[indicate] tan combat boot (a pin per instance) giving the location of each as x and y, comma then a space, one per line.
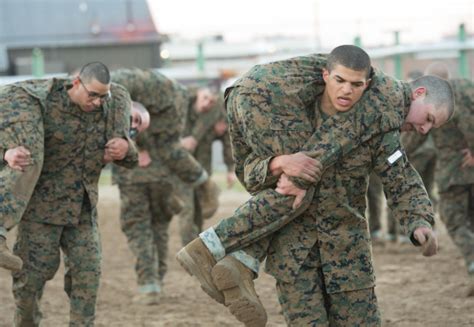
236, 283
7, 259
196, 259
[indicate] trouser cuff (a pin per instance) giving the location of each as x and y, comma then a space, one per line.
213, 243
247, 260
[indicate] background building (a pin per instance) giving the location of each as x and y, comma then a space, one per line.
70, 33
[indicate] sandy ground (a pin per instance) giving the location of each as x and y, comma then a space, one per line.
412, 290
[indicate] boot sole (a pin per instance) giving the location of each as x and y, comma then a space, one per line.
194, 269
242, 303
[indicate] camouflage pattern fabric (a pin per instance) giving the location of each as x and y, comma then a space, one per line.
274, 98
190, 222
260, 130
62, 210
189, 219
82, 251
306, 303
197, 201
146, 227
22, 125
456, 207
455, 183
421, 153
208, 197
335, 226
455, 135
167, 101
374, 203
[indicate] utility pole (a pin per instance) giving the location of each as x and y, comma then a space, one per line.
463, 67
397, 58
37, 63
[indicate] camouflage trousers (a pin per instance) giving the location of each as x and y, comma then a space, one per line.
38, 246
305, 303
457, 212
144, 221
190, 218
16, 187
260, 216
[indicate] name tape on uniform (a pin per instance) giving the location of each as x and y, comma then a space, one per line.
394, 157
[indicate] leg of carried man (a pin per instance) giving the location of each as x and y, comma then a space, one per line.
16, 187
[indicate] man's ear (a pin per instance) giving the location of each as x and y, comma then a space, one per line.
75, 81
325, 75
367, 83
418, 92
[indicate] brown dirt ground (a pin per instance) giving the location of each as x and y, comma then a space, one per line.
412, 290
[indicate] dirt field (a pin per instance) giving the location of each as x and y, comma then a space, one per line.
412, 290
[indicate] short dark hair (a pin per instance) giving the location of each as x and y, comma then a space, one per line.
95, 70
349, 56
438, 92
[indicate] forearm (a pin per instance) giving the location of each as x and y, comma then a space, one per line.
178, 160
257, 175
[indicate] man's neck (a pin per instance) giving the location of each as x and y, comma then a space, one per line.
326, 105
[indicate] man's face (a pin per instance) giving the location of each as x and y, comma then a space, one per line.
423, 116
90, 95
140, 120
344, 87
204, 100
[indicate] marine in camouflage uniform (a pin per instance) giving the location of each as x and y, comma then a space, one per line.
197, 123
456, 183
166, 100
143, 222
147, 200
62, 211
284, 128
200, 126
208, 197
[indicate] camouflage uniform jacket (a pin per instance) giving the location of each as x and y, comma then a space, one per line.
455, 135
74, 149
292, 87
167, 102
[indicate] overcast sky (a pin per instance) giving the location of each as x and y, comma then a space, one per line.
331, 22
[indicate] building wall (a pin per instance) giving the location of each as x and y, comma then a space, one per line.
60, 60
